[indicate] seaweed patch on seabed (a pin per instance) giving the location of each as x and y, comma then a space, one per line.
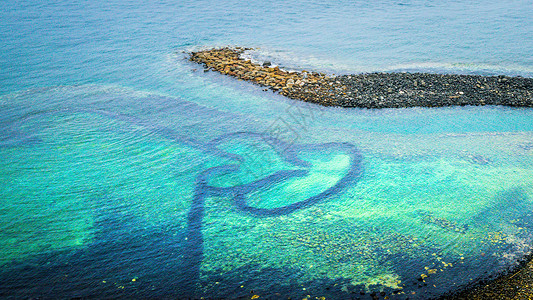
443, 223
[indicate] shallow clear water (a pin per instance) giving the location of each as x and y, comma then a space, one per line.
127, 171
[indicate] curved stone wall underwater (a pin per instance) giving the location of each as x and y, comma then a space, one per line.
114, 192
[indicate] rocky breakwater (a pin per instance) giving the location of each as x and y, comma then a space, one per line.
228, 61
374, 90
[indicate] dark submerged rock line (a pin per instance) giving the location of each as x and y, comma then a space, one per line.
193, 251
374, 90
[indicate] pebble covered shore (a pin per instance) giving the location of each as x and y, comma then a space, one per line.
516, 285
373, 90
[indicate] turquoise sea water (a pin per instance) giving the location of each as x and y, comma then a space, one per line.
129, 172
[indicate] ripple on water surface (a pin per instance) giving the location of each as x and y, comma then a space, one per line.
101, 195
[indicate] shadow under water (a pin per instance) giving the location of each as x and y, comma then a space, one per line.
121, 250
512, 204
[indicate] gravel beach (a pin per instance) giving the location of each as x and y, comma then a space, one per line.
373, 90
516, 285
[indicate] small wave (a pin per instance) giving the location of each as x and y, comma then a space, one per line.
462, 68
296, 61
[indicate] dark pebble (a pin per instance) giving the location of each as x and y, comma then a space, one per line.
394, 90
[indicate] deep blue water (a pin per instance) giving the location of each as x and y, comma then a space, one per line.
129, 172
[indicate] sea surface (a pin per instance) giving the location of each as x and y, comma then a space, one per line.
128, 172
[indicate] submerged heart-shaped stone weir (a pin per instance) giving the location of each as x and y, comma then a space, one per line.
290, 169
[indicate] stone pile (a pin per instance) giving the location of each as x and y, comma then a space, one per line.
374, 90
228, 61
